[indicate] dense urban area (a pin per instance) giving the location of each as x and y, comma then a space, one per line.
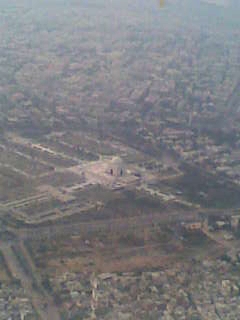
119, 160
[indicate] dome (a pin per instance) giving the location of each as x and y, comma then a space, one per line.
117, 166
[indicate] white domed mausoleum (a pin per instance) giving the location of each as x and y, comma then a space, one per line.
117, 167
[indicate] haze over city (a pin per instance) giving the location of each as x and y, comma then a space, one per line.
119, 159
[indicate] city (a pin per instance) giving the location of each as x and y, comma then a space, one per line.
120, 160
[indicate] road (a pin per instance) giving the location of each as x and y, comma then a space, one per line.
39, 298
38, 232
107, 225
